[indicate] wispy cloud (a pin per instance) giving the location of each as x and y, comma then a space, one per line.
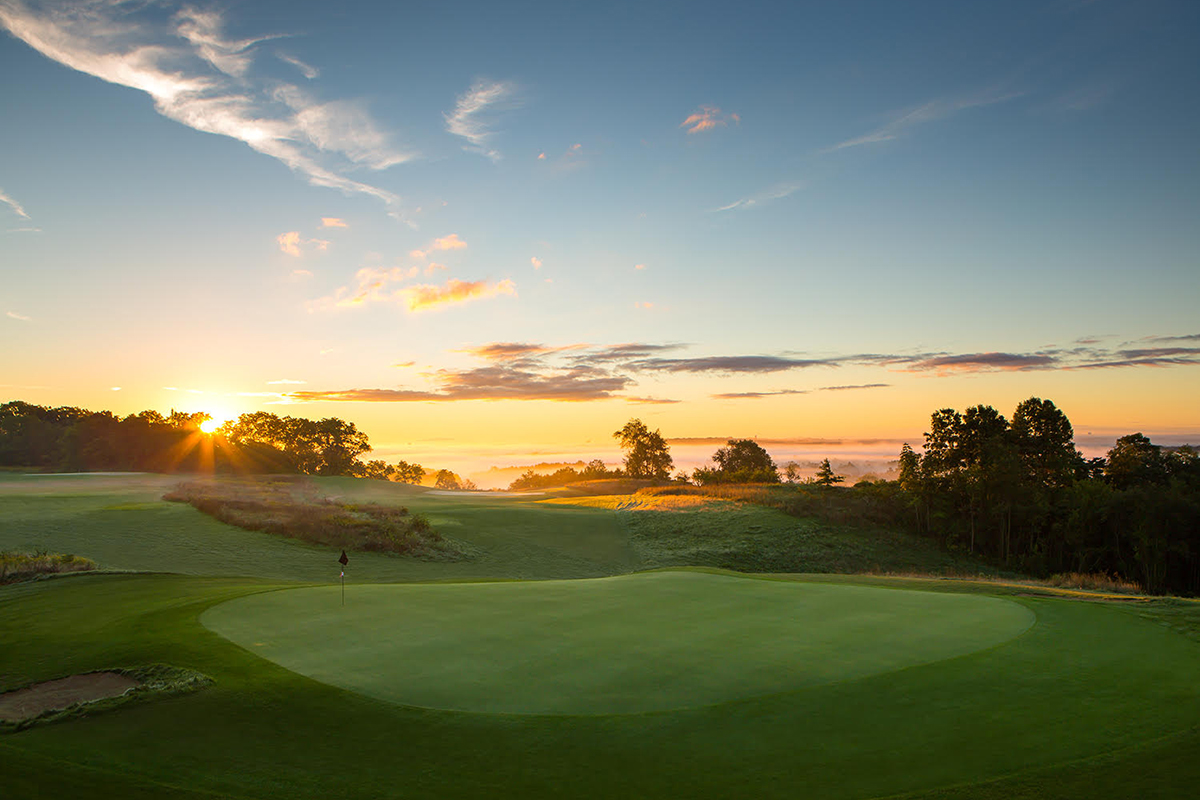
983, 362
777, 192
426, 296
307, 71
928, 112
779, 392
510, 351
725, 364
287, 381
199, 78
537, 262
488, 383
292, 244
17, 208
707, 118
474, 114
16, 316
333, 222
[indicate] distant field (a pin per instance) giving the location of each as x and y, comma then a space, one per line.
783, 686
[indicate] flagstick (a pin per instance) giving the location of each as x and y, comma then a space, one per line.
343, 587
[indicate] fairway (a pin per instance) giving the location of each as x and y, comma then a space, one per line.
635, 643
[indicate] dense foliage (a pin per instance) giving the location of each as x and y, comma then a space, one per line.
565, 476
1020, 493
740, 461
74, 439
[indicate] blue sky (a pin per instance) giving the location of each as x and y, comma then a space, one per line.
936, 203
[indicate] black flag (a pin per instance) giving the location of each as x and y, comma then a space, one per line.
343, 560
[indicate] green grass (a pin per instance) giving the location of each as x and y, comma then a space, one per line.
1095, 699
123, 524
567, 647
751, 538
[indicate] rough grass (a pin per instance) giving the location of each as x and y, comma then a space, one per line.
15, 566
294, 508
1095, 581
867, 506
730, 529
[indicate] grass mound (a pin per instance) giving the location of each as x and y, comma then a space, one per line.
292, 507
15, 566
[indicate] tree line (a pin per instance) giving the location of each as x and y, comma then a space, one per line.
1019, 493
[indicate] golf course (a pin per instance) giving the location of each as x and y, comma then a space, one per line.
574, 647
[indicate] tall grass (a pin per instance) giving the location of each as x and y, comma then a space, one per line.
292, 507
15, 566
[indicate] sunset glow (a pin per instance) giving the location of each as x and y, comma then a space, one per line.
799, 222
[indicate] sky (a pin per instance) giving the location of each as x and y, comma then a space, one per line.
489, 232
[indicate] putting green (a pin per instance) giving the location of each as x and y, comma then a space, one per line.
635, 643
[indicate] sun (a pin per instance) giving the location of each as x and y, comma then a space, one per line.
210, 425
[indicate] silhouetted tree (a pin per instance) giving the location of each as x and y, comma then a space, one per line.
740, 461
826, 476
646, 452
405, 472
445, 479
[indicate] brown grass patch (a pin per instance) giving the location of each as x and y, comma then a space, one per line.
293, 507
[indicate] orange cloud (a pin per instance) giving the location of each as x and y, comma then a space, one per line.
706, 118
537, 262
289, 243
434, 267
541, 156
426, 296
333, 222
451, 242
417, 253
646, 306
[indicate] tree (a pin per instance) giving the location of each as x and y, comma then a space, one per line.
405, 472
1134, 461
646, 453
377, 470
826, 476
445, 479
1046, 442
910, 466
740, 461
328, 447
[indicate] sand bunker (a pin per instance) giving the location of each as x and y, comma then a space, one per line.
63, 693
